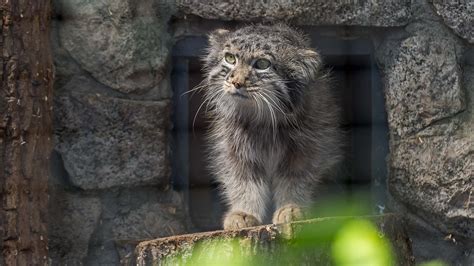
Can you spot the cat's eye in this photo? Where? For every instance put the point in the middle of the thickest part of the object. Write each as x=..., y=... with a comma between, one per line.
x=262, y=64
x=230, y=58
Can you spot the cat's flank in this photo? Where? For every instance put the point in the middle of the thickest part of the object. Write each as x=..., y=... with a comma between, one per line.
x=274, y=130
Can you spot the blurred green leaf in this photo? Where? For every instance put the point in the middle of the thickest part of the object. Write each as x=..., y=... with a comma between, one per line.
x=359, y=243
x=359, y=203
x=326, y=241
x=217, y=252
x=433, y=263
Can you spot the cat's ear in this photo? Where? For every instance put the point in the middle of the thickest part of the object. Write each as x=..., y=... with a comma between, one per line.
x=310, y=63
x=217, y=36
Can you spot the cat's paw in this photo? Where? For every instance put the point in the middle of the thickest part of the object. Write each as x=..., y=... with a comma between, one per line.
x=288, y=213
x=237, y=220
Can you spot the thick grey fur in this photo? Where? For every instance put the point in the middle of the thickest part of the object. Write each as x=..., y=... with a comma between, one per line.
x=274, y=133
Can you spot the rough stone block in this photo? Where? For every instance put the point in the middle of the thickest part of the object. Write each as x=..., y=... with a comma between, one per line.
x=65, y=67
x=131, y=215
x=422, y=80
x=434, y=176
x=356, y=13
x=122, y=44
x=148, y=221
x=109, y=142
x=73, y=219
x=458, y=15
x=429, y=243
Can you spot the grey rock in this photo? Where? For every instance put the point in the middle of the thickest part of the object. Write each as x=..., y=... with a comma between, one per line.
x=468, y=116
x=73, y=220
x=123, y=44
x=469, y=56
x=434, y=176
x=150, y=220
x=133, y=214
x=65, y=67
x=422, y=81
x=360, y=13
x=146, y=217
x=458, y=15
x=429, y=244
x=109, y=142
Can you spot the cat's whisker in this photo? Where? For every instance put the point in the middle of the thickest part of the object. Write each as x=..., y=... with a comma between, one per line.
x=213, y=98
x=291, y=119
x=192, y=90
x=197, y=112
x=272, y=115
x=256, y=103
x=252, y=90
x=277, y=106
x=202, y=85
x=259, y=109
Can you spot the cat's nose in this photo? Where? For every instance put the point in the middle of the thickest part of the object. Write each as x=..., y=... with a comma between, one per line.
x=237, y=84
x=237, y=88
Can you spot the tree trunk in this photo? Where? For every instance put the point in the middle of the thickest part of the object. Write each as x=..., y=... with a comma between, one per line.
x=25, y=130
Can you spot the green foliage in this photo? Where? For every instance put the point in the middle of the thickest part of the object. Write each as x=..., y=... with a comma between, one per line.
x=331, y=241
x=340, y=241
x=434, y=263
x=358, y=242
x=218, y=254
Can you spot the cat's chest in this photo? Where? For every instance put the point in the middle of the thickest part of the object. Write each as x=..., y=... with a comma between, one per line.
x=272, y=159
x=266, y=149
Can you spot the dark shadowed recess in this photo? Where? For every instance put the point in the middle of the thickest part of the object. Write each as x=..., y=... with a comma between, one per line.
x=356, y=83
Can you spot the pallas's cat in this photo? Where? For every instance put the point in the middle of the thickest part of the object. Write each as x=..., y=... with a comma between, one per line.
x=274, y=131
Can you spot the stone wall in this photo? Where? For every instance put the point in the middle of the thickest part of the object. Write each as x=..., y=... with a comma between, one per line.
x=111, y=166
x=112, y=104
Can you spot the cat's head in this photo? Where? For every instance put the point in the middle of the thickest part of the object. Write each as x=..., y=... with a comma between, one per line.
x=259, y=71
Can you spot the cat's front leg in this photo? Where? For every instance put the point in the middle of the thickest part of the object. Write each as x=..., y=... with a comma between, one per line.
x=288, y=213
x=292, y=195
x=247, y=197
x=239, y=219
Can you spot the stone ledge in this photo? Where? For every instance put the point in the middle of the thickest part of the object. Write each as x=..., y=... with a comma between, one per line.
x=346, y=13
x=266, y=238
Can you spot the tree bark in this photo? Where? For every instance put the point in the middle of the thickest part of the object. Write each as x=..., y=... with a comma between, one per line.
x=270, y=242
x=25, y=130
